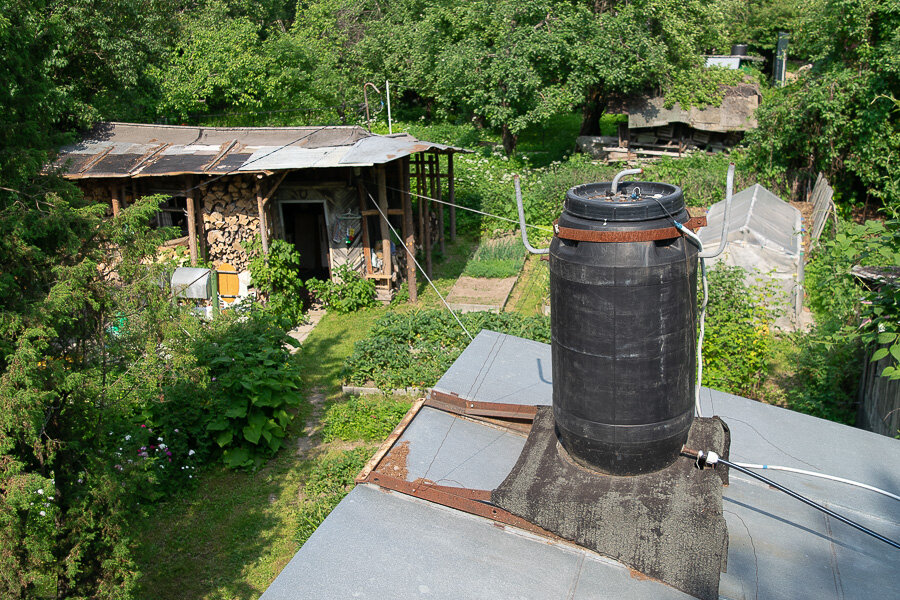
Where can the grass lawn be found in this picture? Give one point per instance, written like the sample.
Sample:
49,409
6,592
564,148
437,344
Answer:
237,530
532,290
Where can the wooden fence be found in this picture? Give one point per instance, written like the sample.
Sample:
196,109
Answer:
879,399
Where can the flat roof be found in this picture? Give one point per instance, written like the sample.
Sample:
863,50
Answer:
384,544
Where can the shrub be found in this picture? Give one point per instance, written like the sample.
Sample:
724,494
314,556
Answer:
367,418
255,386
350,294
275,275
736,347
414,349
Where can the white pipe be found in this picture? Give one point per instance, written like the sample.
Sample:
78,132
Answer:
387,87
729,188
865,486
620,175
522,224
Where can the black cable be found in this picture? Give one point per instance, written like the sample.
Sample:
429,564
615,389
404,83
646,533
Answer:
809,502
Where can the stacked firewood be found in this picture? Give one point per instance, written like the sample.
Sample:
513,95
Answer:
230,219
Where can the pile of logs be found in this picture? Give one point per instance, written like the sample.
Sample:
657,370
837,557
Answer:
229,218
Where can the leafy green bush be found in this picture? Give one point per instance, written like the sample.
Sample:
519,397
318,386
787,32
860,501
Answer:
736,347
351,293
496,259
275,275
848,320
414,349
368,418
255,386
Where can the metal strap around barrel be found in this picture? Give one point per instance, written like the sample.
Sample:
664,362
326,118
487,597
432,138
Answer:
640,235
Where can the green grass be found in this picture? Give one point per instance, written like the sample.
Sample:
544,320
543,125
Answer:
322,355
330,478
532,290
228,538
237,530
496,259
367,418
446,269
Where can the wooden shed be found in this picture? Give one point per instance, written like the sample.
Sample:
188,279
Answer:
332,192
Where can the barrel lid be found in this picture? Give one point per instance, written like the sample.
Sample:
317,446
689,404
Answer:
634,201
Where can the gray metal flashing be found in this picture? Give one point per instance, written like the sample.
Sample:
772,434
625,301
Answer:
380,544
136,150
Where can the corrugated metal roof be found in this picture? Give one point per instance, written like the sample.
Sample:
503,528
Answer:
138,150
382,544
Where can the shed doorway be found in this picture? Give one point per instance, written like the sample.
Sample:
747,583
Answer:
305,229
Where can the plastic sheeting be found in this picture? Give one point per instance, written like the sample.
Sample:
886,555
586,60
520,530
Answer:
764,238
190,282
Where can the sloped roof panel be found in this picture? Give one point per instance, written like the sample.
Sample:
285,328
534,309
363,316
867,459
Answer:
132,149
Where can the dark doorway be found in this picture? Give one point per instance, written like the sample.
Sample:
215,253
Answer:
304,228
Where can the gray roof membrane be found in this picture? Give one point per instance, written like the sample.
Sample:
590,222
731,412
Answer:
380,544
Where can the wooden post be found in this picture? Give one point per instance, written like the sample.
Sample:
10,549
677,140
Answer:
408,228
420,201
202,244
263,235
451,193
428,217
114,199
385,229
214,292
438,196
191,218
364,225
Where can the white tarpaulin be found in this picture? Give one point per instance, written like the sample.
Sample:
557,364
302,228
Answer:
764,238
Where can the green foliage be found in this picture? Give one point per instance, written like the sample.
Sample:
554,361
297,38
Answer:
758,22
366,418
414,349
496,259
275,275
840,117
736,346
700,87
350,294
851,314
255,386
330,478
849,319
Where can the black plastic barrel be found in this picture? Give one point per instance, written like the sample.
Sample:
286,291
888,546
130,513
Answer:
623,330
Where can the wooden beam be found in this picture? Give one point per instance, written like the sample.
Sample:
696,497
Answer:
430,186
114,199
420,191
364,225
451,197
409,237
191,217
385,229
273,189
438,196
391,211
260,206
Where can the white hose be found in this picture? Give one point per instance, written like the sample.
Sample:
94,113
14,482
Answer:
522,224
865,486
729,189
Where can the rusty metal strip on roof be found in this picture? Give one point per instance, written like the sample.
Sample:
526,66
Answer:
148,157
222,153
90,164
